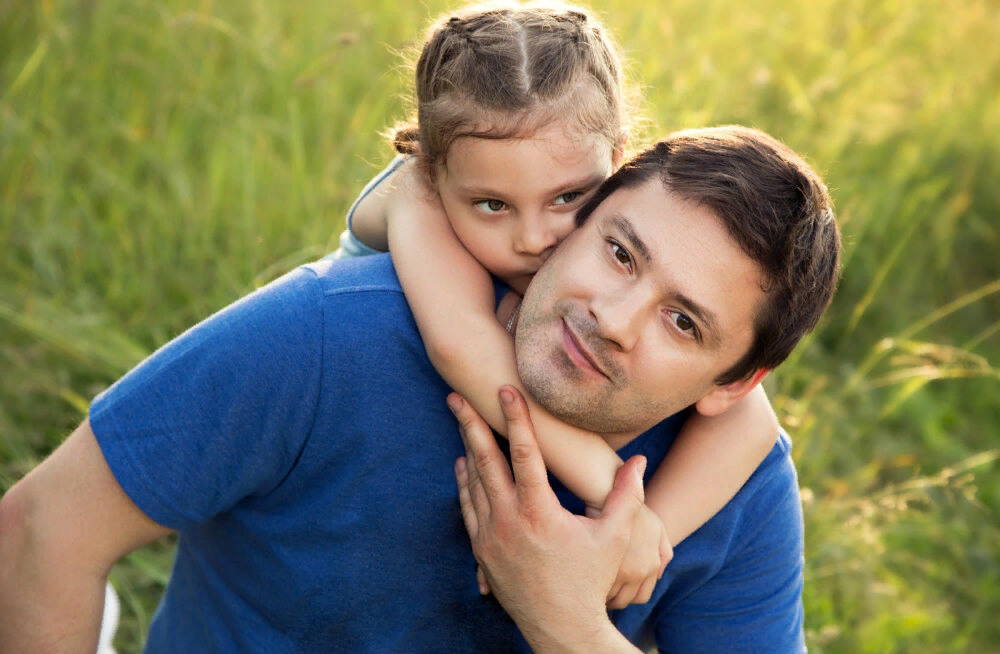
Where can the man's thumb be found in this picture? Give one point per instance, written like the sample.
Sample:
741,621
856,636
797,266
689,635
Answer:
627,495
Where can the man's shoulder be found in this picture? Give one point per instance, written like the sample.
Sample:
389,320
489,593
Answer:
769,501
357,275
366,277
778,468
363,309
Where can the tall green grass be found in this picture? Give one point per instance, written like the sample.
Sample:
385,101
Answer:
160,159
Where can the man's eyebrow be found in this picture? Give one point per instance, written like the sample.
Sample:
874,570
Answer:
625,226
704,315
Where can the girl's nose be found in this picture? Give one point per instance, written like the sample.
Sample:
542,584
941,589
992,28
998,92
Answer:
538,233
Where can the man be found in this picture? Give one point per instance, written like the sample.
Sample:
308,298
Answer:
299,440
735,584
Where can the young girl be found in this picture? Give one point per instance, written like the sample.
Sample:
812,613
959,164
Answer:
520,117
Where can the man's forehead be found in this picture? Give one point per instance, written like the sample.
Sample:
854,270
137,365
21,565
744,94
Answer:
637,210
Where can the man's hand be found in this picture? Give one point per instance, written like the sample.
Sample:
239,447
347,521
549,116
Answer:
551,570
648,554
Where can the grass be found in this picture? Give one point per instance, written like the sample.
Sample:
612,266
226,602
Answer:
158,159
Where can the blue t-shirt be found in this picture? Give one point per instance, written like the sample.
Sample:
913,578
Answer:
300,442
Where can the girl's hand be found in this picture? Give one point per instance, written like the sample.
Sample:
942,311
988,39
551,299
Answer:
649,551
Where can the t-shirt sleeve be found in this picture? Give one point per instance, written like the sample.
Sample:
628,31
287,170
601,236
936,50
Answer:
221,412
350,246
753,604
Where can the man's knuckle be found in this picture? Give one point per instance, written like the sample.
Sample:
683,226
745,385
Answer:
521,452
483,460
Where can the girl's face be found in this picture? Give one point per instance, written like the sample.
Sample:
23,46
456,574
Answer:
512,201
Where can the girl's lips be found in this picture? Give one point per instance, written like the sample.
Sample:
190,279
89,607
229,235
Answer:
577,353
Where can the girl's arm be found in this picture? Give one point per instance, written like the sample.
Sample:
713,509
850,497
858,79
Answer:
452,300
709,462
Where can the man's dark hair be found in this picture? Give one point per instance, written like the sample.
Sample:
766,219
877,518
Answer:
773,205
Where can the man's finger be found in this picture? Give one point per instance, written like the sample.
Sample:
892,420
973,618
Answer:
483,457
480,500
469,516
525,457
476,499
484,585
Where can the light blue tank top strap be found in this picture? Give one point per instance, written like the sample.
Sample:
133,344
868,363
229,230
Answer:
350,246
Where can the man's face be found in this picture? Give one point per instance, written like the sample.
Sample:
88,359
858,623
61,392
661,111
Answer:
636,313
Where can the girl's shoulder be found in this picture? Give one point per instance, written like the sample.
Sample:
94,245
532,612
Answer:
367,217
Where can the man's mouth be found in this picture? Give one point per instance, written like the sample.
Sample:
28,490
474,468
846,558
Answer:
578,352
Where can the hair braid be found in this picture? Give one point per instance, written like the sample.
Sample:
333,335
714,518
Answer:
460,29
504,71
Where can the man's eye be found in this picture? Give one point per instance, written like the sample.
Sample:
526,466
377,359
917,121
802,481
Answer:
491,206
684,323
620,254
566,198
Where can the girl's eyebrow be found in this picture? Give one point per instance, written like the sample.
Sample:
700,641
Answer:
587,182
584,183
480,191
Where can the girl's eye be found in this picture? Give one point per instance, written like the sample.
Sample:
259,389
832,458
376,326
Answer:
684,323
620,254
566,198
491,206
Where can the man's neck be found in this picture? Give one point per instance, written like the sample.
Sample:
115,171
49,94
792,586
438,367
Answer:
618,441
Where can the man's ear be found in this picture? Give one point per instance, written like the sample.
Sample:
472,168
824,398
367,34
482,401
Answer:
723,397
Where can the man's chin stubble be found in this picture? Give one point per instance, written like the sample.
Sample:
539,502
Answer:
578,409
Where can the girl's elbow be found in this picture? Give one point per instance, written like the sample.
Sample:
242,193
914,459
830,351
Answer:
445,354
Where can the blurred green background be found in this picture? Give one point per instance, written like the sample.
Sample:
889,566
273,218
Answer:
158,159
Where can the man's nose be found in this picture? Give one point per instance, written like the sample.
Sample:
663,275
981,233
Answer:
620,314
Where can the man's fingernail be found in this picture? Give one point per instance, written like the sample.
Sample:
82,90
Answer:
506,397
454,403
